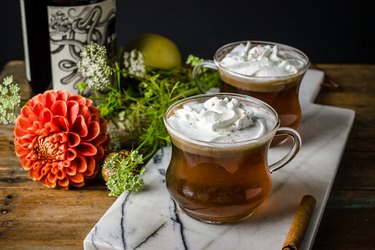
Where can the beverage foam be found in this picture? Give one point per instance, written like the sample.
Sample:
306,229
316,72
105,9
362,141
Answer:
263,60
223,120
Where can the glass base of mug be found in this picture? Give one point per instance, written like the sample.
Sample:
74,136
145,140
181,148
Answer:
216,219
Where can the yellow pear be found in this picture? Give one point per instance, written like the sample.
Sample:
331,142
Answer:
158,51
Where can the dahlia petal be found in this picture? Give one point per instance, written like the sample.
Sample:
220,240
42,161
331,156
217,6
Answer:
45,182
36,171
73,139
71,154
79,99
71,170
91,166
78,178
20,152
37,108
86,149
25,164
23,123
60,137
88,102
73,110
31,156
27,138
81,163
26,111
61,122
18,132
45,115
36,99
80,127
85,112
100,154
36,126
59,108
54,170
63,183
60,175
63,164
49,98
46,169
51,127
103,124
63,95
93,131
52,178
94,112
100,139
77,185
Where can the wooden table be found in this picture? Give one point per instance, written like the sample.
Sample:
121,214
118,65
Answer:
35,217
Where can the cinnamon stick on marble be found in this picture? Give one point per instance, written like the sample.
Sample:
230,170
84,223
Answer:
301,220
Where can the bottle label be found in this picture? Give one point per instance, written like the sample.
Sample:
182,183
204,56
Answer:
71,28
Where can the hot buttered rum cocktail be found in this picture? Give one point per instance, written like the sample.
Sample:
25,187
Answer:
219,170
268,71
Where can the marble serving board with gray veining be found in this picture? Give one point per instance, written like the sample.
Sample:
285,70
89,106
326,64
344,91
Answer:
150,219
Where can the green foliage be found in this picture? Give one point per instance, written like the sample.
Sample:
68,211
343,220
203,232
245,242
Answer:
137,102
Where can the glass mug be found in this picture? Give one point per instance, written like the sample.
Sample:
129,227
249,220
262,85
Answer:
219,182
281,92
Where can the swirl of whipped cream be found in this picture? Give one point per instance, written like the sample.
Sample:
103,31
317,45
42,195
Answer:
218,120
263,60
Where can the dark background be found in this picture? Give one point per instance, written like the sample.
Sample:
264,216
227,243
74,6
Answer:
327,31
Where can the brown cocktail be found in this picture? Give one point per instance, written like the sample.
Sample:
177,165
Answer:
268,71
219,170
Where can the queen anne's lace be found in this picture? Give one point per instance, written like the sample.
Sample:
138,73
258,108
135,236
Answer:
9,100
94,66
134,63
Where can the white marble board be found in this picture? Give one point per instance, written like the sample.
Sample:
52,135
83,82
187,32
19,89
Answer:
151,220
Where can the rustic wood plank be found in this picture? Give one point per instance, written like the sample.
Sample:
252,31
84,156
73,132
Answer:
52,218
349,218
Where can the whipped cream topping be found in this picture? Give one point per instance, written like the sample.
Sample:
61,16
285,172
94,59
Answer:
263,60
220,120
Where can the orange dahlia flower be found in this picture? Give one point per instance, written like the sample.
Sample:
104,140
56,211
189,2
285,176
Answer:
60,139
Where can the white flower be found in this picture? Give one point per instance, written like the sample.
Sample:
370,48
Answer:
94,66
134,63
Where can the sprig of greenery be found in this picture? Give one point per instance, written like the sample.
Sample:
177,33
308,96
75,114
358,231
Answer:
137,102
10,99
125,172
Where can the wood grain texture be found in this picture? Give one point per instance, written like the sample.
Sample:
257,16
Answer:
349,219
35,217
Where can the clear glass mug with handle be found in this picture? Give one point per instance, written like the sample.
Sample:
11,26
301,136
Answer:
221,175
271,72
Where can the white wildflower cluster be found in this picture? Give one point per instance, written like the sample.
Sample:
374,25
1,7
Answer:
94,66
10,100
134,63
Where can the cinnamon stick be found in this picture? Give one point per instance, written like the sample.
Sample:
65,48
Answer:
301,220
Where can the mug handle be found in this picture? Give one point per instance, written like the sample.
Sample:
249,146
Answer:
297,142
198,69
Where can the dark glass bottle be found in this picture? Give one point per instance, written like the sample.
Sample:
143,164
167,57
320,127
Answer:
36,44
55,32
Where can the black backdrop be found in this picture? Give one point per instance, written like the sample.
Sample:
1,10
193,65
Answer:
327,31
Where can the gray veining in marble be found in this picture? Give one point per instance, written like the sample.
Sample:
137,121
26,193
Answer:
150,219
